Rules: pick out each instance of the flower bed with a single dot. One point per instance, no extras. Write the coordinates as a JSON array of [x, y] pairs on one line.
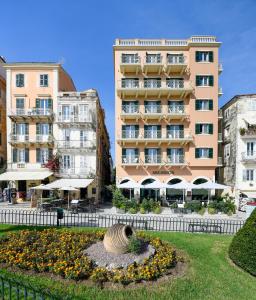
[[61, 252]]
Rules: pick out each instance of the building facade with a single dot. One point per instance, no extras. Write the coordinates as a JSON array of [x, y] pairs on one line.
[[31, 104], [238, 128], [166, 102], [82, 140], [3, 147]]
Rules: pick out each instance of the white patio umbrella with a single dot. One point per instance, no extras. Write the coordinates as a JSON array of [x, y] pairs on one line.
[[41, 187], [129, 185], [68, 188], [155, 185], [183, 185], [209, 185]]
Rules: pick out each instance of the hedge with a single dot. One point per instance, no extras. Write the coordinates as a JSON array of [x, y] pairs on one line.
[[242, 249]]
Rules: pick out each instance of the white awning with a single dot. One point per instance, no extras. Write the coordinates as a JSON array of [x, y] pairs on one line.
[[75, 183], [24, 175], [251, 194]]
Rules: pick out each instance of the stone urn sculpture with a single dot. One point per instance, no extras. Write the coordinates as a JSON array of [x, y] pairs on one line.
[[116, 239]]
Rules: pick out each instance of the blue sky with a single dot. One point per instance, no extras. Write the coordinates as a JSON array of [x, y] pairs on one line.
[[81, 34]]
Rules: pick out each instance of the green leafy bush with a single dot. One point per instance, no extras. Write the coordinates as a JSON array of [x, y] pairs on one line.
[[202, 211], [211, 210], [142, 210], [193, 205], [223, 204], [145, 205], [174, 205], [157, 210], [119, 200], [242, 249], [133, 210], [135, 245]]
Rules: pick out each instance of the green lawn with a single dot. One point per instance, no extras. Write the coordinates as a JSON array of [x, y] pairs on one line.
[[210, 275]]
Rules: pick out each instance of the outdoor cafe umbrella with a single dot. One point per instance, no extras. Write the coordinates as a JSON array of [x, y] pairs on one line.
[[209, 185], [68, 188], [41, 187], [155, 185], [183, 185], [130, 185]]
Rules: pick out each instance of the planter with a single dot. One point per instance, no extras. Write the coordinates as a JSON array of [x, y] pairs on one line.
[[116, 239]]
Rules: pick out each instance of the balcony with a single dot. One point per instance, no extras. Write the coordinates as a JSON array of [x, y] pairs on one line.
[[39, 139], [153, 64], [76, 145], [175, 64], [219, 137], [31, 113], [155, 136], [153, 88], [176, 112], [178, 160], [220, 92], [24, 165], [153, 112], [130, 112], [130, 64], [130, 160], [73, 118], [249, 157], [153, 160], [247, 133], [75, 172]]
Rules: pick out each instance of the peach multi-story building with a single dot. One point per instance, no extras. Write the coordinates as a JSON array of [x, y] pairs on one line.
[[166, 106], [31, 101], [2, 115]]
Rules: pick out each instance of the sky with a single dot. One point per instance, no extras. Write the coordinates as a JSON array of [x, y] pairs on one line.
[[81, 33]]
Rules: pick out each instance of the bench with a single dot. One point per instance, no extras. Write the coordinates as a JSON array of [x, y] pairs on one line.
[[204, 227]]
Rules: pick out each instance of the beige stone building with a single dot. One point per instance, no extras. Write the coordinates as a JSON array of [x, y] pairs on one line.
[[166, 102]]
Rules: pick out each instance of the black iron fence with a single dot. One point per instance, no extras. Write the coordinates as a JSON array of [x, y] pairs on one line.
[[17, 290], [155, 223]]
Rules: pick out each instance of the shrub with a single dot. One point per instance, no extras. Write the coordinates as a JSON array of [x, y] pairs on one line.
[[157, 210], [242, 249], [132, 210], [145, 205], [202, 211], [142, 210], [135, 245], [193, 205], [119, 199], [223, 204], [174, 205], [211, 210]]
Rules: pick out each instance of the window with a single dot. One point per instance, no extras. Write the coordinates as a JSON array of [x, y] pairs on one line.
[[20, 128], [66, 161], [152, 107], [130, 58], [248, 175], [44, 80], [130, 107], [204, 128], [251, 148], [204, 80], [204, 56], [152, 155], [227, 150], [83, 113], [19, 80], [43, 155], [175, 155], [43, 128], [130, 131], [44, 104], [204, 104], [20, 155], [94, 191], [130, 155], [204, 152], [227, 113], [152, 131], [153, 58]]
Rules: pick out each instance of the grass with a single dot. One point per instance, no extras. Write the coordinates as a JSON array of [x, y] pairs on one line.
[[210, 275]]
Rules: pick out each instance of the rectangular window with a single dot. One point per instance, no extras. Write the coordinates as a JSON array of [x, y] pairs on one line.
[[43, 155], [20, 80], [130, 131], [204, 128], [204, 104], [204, 80], [152, 155], [130, 155], [248, 175], [130, 58], [204, 56], [43, 80], [152, 131], [203, 152], [130, 107], [84, 112]]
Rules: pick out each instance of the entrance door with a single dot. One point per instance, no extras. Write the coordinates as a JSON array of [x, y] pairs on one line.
[[83, 193]]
